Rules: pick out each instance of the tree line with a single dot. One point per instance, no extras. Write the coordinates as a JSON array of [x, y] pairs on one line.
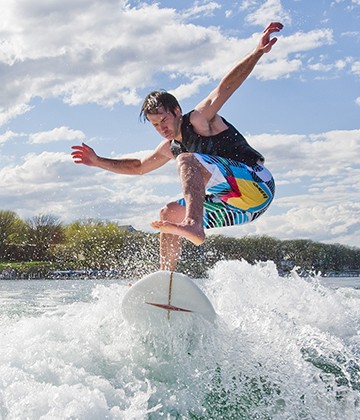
[[43, 245]]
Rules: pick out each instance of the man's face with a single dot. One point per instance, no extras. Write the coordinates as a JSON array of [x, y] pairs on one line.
[[166, 123]]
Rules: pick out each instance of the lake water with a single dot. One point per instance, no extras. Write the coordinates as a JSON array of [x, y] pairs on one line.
[[282, 348]]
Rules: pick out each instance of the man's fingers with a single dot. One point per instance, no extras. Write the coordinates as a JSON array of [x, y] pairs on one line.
[[76, 154], [77, 159], [272, 41], [274, 27]]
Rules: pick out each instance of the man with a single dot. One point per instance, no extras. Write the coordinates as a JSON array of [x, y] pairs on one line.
[[223, 179]]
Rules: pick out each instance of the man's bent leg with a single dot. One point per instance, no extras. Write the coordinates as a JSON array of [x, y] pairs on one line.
[[193, 178]]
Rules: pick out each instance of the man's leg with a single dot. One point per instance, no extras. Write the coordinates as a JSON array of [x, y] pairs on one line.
[[193, 177], [170, 245]]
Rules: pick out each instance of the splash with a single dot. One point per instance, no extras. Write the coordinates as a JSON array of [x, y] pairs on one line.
[[282, 347]]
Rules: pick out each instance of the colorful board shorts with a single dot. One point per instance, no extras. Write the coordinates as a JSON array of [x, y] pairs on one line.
[[236, 193]]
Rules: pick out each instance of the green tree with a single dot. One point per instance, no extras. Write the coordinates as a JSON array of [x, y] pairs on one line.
[[12, 236], [43, 232], [7, 219], [96, 244]]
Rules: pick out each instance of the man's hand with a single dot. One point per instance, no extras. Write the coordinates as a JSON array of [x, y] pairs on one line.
[[266, 43], [84, 154]]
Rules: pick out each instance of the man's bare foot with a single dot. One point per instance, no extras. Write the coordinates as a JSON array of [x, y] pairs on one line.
[[189, 231]]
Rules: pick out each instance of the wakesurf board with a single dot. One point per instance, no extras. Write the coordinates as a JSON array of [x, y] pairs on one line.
[[165, 297]]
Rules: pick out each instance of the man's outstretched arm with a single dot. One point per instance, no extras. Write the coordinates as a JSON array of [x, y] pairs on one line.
[[128, 166], [237, 75]]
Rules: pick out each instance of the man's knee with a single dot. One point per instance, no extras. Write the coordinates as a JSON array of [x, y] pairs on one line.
[[172, 212], [186, 159], [189, 160], [164, 211]]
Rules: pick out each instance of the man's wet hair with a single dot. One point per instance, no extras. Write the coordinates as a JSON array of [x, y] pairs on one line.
[[156, 99]]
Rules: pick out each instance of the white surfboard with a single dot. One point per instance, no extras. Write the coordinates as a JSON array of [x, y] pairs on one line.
[[165, 297]]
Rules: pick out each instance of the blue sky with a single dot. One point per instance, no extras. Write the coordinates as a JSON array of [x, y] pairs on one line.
[[78, 70]]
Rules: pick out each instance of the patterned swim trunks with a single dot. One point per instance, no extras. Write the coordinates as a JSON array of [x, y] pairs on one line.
[[236, 193]]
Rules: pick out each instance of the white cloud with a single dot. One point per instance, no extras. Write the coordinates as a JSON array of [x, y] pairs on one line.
[[315, 155], [272, 70], [9, 111], [337, 65], [268, 11], [302, 42], [200, 10], [189, 89], [57, 134], [322, 222], [35, 172], [9, 135], [355, 68], [51, 183]]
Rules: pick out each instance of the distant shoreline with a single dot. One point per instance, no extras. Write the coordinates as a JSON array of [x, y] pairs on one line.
[[91, 274]]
